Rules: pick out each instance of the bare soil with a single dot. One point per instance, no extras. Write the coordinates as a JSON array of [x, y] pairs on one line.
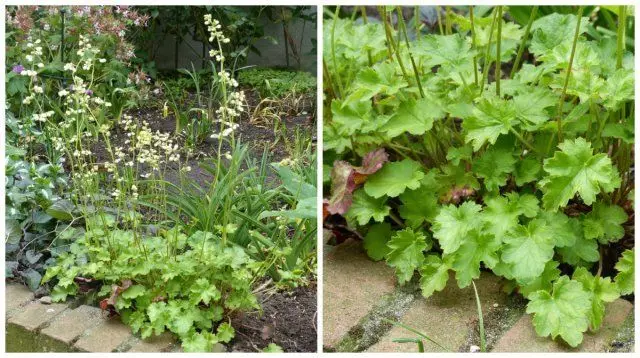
[[288, 319]]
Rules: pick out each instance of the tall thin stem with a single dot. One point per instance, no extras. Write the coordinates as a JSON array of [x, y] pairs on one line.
[[622, 16], [516, 63], [333, 49], [403, 27], [498, 72], [416, 18], [487, 62], [392, 42], [438, 9], [365, 20], [566, 80], [474, 46], [447, 19]]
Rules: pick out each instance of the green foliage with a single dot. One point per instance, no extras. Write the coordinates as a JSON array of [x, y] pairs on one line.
[[36, 212], [518, 173], [625, 277], [394, 178], [177, 286], [406, 253], [574, 169], [563, 311], [277, 83]]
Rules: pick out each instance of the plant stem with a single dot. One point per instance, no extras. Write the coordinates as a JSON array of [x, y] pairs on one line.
[[448, 19], [416, 18], [601, 252], [403, 27], [327, 75], [333, 49], [365, 20], [483, 340], [566, 80], [498, 71], [524, 141], [438, 9], [393, 44], [399, 324], [395, 218], [516, 63], [487, 63], [474, 46], [622, 16]]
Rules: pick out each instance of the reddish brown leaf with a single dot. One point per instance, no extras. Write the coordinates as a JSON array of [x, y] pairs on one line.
[[373, 161]]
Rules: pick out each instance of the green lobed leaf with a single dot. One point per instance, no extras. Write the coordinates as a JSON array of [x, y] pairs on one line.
[[453, 223], [530, 106], [601, 290], [476, 248], [566, 230], [554, 30], [604, 223], [413, 116], [494, 166], [543, 282], [406, 253], [625, 277], [619, 89], [434, 274], [583, 251], [502, 213], [491, 118], [561, 312], [364, 208], [576, 170], [527, 170], [225, 332], [421, 204], [394, 178], [375, 242], [528, 249]]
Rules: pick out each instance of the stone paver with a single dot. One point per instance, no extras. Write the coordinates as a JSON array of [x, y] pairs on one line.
[[70, 324], [353, 284], [523, 338], [16, 296], [106, 337], [446, 317], [162, 343], [35, 315]]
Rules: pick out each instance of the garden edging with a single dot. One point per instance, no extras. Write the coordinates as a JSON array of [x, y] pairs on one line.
[[33, 326]]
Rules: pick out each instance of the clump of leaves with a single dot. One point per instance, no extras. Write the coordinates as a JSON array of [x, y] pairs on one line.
[[277, 83], [36, 220], [526, 173], [170, 282]]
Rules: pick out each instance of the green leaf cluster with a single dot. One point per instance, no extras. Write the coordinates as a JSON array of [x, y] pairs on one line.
[[522, 175], [185, 285]]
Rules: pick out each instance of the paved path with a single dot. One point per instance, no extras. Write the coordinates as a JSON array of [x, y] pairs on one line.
[[360, 295], [33, 326]]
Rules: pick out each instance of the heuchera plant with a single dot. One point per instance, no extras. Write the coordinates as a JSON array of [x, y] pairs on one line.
[[465, 166]]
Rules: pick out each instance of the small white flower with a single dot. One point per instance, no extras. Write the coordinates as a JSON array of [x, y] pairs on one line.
[[63, 93], [37, 89], [102, 60]]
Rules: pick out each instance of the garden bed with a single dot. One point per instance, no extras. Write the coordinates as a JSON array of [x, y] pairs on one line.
[[181, 205], [466, 141]]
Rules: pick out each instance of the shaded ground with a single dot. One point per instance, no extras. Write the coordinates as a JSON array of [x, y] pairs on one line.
[[259, 136], [288, 320]]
